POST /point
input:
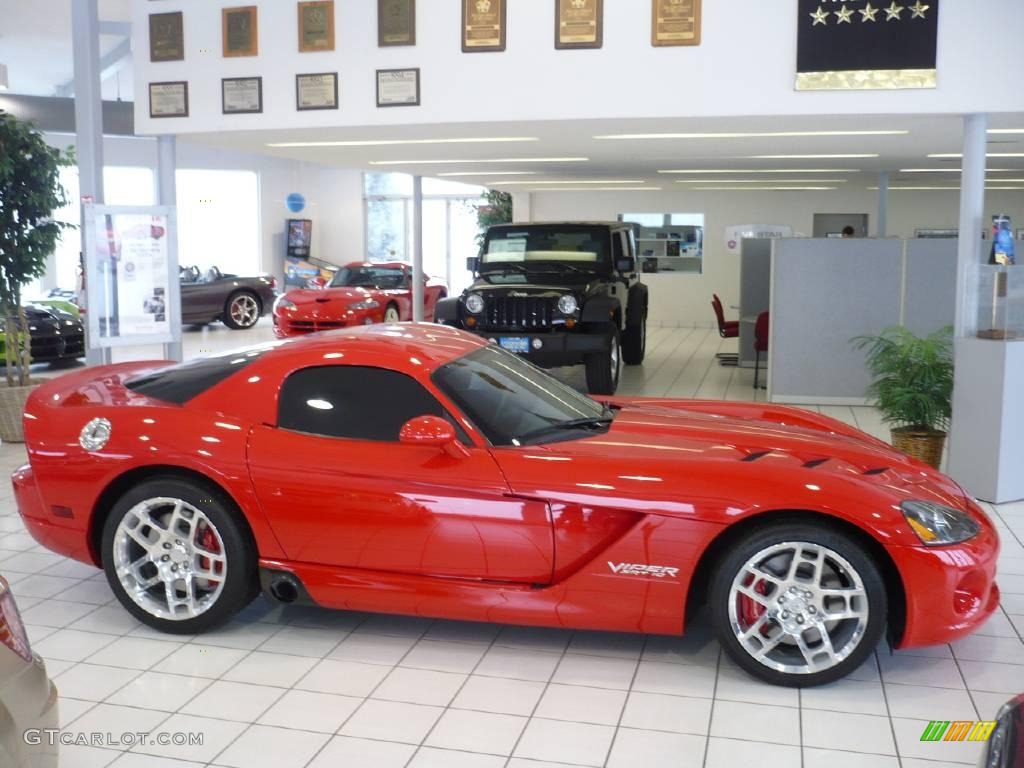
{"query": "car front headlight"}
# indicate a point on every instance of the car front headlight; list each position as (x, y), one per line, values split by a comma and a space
(937, 525)
(567, 304)
(474, 303)
(368, 304)
(283, 303)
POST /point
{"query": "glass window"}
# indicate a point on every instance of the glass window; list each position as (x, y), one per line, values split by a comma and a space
(387, 184)
(180, 383)
(546, 242)
(354, 402)
(219, 220)
(668, 242)
(514, 403)
(370, 277)
(386, 231)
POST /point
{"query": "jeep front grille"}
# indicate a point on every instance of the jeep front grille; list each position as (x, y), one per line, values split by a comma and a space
(517, 313)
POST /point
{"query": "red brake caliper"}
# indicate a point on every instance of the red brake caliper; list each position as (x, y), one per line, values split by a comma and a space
(750, 610)
(208, 542)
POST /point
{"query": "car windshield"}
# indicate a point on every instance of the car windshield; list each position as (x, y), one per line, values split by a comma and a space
(514, 403)
(369, 277)
(583, 247)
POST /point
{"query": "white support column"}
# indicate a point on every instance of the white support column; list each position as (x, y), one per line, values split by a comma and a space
(972, 216)
(167, 164)
(521, 207)
(85, 26)
(417, 249)
(882, 224)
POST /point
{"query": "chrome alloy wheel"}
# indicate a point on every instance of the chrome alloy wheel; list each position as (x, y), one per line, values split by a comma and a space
(798, 608)
(613, 356)
(245, 310)
(170, 559)
(391, 315)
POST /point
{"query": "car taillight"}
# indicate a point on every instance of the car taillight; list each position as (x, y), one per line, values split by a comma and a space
(273, 283)
(12, 631)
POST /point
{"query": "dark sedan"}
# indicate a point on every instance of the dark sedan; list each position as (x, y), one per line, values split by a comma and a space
(237, 301)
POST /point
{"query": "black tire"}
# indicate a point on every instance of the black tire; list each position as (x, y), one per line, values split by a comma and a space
(251, 301)
(603, 368)
(845, 634)
(241, 584)
(634, 342)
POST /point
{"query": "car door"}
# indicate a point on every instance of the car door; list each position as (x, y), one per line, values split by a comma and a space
(340, 489)
(201, 301)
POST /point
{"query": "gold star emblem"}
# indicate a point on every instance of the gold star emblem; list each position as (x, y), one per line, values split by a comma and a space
(820, 16)
(893, 11)
(869, 13)
(918, 10)
(844, 15)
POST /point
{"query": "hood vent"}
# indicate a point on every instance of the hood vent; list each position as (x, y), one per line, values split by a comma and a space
(876, 471)
(814, 463)
(755, 456)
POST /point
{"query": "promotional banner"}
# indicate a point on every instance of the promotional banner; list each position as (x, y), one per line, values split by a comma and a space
(734, 235)
(860, 44)
(129, 291)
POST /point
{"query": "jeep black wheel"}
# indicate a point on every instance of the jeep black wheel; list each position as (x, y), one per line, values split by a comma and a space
(634, 342)
(603, 367)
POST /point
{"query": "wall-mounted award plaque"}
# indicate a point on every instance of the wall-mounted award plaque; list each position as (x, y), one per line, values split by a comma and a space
(240, 31)
(578, 23)
(166, 36)
(675, 22)
(316, 26)
(483, 25)
(396, 22)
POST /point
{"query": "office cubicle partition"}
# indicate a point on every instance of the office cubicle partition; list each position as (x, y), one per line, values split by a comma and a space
(755, 292)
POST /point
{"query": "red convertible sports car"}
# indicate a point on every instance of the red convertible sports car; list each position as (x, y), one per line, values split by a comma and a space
(417, 469)
(360, 294)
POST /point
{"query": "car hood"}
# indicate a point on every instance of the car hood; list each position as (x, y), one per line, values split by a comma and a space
(578, 287)
(676, 459)
(327, 299)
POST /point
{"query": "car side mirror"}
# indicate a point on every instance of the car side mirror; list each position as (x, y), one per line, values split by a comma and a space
(627, 265)
(472, 263)
(432, 431)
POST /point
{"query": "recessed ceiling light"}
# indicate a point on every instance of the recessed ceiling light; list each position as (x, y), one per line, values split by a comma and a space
(597, 189)
(812, 157)
(773, 170)
(396, 142)
(490, 173)
(499, 160)
(958, 155)
(749, 135)
(568, 181)
(762, 189)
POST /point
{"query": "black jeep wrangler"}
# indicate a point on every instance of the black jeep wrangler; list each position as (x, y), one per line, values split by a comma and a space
(558, 294)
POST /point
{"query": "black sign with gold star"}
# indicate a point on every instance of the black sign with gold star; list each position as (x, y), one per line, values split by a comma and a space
(861, 44)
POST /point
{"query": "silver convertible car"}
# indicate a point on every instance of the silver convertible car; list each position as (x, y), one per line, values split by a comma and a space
(28, 700)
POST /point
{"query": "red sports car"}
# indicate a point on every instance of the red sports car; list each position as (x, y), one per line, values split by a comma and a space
(417, 469)
(360, 294)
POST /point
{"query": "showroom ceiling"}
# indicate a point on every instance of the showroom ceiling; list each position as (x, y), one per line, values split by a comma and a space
(683, 153)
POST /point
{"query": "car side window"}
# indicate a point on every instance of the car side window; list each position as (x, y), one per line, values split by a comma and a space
(355, 402)
(617, 246)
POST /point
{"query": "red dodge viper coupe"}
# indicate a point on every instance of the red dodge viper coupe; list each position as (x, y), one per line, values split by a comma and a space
(359, 294)
(417, 469)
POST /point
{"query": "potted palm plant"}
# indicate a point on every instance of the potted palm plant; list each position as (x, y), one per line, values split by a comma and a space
(912, 387)
(30, 192)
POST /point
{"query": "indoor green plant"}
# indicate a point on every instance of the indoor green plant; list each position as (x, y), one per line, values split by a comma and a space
(495, 208)
(30, 193)
(912, 387)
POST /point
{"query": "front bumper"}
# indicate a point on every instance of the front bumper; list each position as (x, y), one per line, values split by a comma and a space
(286, 326)
(951, 591)
(557, 349)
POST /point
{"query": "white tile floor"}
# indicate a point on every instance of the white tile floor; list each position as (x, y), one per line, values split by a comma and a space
(307, 688)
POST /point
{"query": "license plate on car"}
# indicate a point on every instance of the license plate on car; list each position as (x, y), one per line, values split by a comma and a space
(517, 344)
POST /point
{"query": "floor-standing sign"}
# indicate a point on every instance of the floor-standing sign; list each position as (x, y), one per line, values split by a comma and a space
(131, 295)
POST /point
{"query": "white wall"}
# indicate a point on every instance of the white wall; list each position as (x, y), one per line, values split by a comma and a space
(744, 66)
(333, 195)
(685, 300)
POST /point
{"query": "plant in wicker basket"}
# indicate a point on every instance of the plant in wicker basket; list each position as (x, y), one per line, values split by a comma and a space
(30, 192)
(913, 387)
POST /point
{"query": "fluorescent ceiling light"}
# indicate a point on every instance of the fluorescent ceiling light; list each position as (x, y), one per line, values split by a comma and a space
(774, 170)
(750, 135)
(759, 181)
(952, 170)
(598, 189)
(569, 181)
(500, 160)
(1006, 131)
(811, 157)
(949, 189)
(490, 173)
(957, 155)
(761, 189)
(395, 142)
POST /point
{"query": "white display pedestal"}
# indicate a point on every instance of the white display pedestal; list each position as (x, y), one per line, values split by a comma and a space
(986, 449)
